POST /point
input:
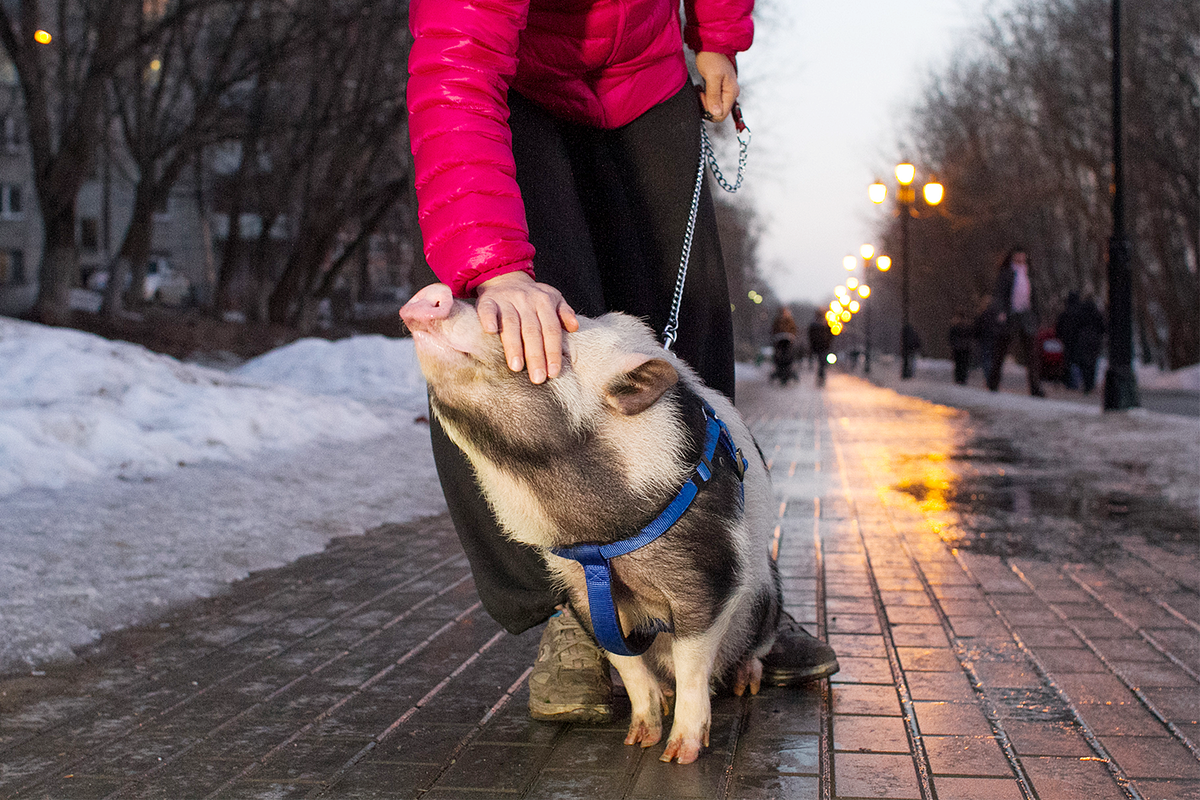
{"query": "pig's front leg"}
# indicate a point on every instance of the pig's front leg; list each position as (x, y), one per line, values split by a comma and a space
(693, 659)
(645, 698)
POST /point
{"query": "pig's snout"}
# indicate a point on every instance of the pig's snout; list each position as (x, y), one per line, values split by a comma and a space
(428, 307)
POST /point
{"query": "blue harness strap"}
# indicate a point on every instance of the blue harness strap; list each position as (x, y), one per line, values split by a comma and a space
(595, 558)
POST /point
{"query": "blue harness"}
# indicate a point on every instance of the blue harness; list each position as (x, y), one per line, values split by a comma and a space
(595, 557)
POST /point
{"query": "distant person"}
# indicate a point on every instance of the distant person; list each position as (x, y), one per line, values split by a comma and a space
(1015, 315)
(820, 338)
(961, 336)
(984, 329)
(910, 343)
(1080, 327)
(783, 343)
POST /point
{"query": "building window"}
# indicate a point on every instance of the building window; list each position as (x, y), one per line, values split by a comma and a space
(14, 133)
(162, 209)
(10, 201)
(89, 234)
(12, 267)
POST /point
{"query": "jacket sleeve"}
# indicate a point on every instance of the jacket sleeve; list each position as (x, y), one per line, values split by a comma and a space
(718, 26)
(470, 210)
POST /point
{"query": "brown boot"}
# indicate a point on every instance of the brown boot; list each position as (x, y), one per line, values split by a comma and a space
(570, 681)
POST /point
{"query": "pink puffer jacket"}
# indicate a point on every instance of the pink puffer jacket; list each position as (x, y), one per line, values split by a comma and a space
(598, 62)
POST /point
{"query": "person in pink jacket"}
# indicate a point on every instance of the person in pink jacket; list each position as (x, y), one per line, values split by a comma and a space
(555, 145)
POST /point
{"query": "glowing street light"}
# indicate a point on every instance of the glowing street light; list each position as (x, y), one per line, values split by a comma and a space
(42, 37)
(866, 251)
(849, 262)
(884, 263)
(933, 193)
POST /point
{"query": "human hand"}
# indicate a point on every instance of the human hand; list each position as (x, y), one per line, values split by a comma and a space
(530, 318)
(720, 83)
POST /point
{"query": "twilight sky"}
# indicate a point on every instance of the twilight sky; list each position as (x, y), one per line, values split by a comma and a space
(825, 87)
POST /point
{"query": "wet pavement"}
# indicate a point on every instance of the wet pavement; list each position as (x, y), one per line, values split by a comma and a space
(998, 639)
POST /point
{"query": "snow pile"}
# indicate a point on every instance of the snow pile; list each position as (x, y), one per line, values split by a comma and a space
(368, 368)
(1186, 379)
(131, 483)
(74, 406)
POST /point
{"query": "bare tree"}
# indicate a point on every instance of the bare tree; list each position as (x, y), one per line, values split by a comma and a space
(1019, 133)
(62, 84)
(322, 158)
(168, 103)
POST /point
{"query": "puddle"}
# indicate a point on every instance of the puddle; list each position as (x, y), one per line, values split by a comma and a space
(1023, 510)
(1042, 704)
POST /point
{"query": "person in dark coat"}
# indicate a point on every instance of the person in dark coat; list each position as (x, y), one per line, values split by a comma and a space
(1081, 328)
(1015, 314)
(961, 335)
(819, 340)
(783, 343)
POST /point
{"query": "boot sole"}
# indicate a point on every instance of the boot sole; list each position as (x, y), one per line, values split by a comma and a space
(571, 712)
(792, 677)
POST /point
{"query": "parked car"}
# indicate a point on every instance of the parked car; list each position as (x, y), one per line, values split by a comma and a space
(163, 285)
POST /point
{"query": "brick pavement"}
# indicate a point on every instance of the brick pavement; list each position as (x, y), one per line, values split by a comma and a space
(371, 671)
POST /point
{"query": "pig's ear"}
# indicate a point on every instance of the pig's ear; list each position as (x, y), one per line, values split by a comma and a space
(634, 391)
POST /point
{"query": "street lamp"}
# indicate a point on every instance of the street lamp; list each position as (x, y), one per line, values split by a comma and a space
(1120, 382)
(933, 192)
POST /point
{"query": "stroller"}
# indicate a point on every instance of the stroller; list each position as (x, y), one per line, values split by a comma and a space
(784, 347)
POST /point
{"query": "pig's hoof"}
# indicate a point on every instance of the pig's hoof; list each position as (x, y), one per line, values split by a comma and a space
(681, 750)
(749, 673)
(645, 732)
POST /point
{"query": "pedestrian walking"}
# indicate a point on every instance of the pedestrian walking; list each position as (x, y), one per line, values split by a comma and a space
(783, 345)
(1015, 316)
(556, 150)
(960, 336)
(820, 337)
(1080, 327)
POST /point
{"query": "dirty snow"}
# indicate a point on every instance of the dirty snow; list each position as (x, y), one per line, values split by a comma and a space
(131, 482)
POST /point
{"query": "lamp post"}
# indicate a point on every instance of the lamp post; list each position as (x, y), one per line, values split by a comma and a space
(933, 192)
(863, 290)
(1120, 383)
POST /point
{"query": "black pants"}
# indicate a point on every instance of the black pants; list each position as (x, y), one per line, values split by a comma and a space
(1020, 327)
(962, 364)
(607, 213)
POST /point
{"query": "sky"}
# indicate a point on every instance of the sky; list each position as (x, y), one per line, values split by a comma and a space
(826, 87)
(131, 483)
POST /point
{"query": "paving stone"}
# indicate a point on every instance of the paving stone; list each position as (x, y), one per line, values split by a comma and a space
(1121, 720)
(949, 788)
(942, 718)
(1095, 689)
(1058, 660)
(875, 700)
(875, 775)
(1050, 738)
(870, 734)
(1071, 779)
(1152, 757)
(966, 756)
(948, 686)
(1168, 790)
(863, 670)
(928, 659)
(919, 636)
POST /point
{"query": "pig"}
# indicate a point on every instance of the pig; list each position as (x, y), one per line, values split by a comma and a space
(590, 457)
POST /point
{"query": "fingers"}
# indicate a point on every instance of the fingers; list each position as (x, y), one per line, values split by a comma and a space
(720, 83)
(530, 318)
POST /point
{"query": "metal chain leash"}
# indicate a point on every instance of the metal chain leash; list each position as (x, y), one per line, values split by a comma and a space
(707, 156)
